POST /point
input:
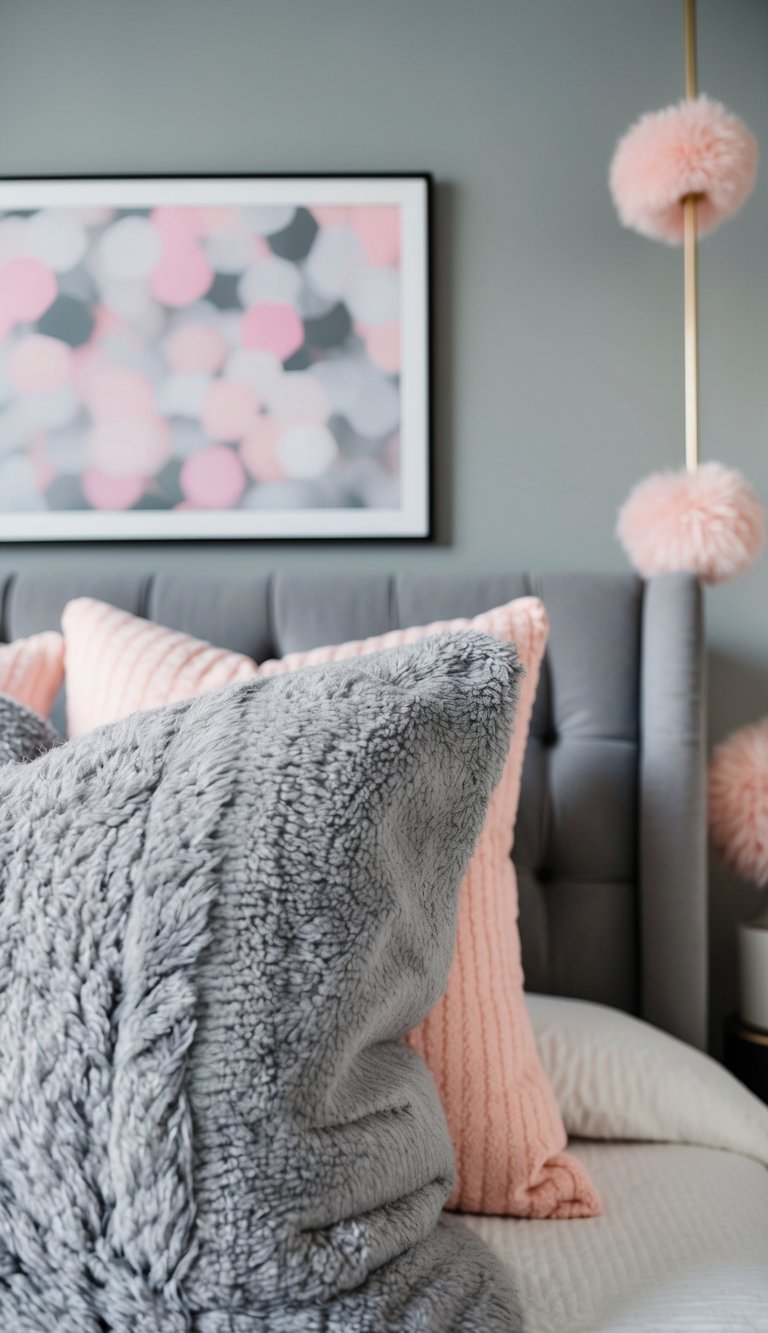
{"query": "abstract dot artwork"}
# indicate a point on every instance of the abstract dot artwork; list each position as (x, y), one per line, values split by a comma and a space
(240, 357)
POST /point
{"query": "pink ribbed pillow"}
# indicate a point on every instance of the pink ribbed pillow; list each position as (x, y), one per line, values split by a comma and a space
(32, 670)
(478, 1041)
(119, 664)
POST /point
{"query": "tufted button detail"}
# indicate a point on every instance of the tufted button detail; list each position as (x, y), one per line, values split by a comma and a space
(550, 738)
(544, 874)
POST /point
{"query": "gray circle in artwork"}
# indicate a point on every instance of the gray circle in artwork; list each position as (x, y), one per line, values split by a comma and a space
(67, 450)
(281, 495)
(294, 242)
(65, 493)
(223, 291)
(166, 485)
(353, 445)
(69, 320)
(301, 360)
(330, 329)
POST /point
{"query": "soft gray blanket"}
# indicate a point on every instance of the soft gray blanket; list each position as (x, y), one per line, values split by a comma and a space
(216, 922)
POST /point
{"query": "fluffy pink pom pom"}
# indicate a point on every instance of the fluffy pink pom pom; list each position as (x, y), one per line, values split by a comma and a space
(738, 802)
(710, 523)
(696, 147)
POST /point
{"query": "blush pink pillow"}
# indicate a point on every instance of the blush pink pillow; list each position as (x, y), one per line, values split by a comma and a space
(118, 664)
(478, 1041)
(32, 670)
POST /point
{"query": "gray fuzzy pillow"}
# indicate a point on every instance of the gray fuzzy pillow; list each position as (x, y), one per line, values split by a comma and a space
(24, 735)
(217, 921)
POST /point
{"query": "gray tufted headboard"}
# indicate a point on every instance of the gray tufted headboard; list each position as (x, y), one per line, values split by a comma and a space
(610, 844)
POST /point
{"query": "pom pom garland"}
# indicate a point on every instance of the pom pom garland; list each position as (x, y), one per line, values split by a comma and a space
(738, 802)
(693, 148)
(709, 523)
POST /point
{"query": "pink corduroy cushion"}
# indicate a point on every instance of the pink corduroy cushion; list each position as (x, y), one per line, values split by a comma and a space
(32, 670)
(477, 1041)
(118, 664)
(693, 148)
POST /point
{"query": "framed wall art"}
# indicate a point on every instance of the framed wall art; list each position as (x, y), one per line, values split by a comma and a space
(195, 357)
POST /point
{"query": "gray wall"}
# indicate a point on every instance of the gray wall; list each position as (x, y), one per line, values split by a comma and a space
(558, 340)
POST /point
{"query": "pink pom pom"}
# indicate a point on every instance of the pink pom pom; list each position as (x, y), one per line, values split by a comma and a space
(738, 802)
(710, 523)
(696, 147)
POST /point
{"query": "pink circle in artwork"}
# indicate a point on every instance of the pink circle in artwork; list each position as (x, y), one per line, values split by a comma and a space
(331, 215)
(177, 224)
(258, 451)
(27, 287)
(382, 343)
(195, 347)
(273, 327)
(118, 391)
(228, 409)
(182, 276)
(7, 321)
(104, 491)
(213, 479)
(130, 447)
(44, 470)
(215, 220)
(105, 321)
(87, 361)
(379, 229)
(260, 247)
(39, 364)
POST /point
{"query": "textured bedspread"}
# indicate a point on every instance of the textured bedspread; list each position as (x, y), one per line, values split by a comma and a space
(681, 1246)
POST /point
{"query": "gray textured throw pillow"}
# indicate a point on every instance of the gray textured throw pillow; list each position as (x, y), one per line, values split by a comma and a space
(24, 735)
(217, 920)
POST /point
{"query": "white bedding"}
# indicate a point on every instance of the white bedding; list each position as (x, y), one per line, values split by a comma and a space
(682, 1245)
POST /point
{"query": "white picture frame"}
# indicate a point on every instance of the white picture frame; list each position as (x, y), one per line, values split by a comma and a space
(256, 515)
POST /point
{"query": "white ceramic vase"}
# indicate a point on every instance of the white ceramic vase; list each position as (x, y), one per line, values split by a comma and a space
(753, 970)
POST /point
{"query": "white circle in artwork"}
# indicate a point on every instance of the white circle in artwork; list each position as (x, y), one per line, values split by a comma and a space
(381, 490)
(259, 370)
(182, 395)
(13, 236)
(312, 304)
(7, 387)
(130, 248)
(199, 312)
(18, 485)
(229, 252)
(130, 300)
(57, 237)
(229, 325)
(280, 495)
(67, 451)
(297, 395)
(269, 218)
(50, 410)
(374, 295)
(269, 280)
(343, 379)
(336, 259)
(148, 321)
(377, 411)
(14, 426)
(306, 451)
(125, 349)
